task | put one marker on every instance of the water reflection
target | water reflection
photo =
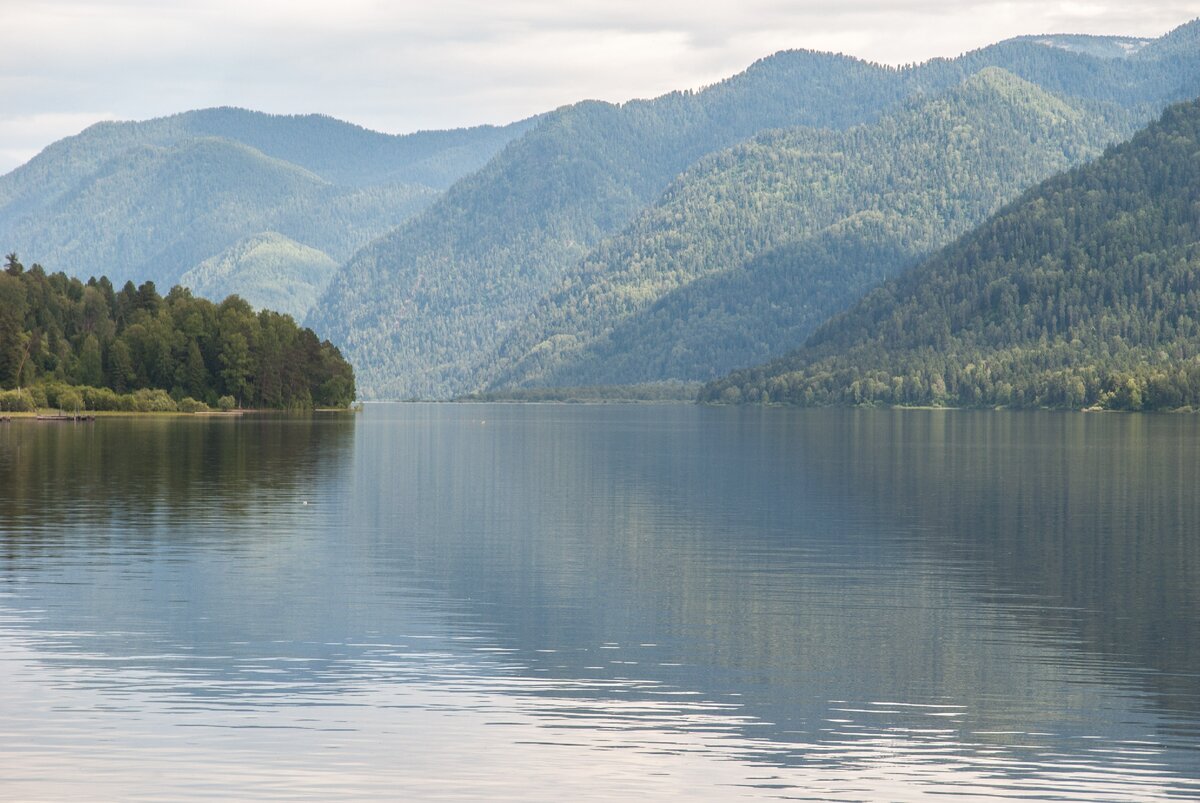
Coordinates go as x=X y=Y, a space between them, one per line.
x=675 y=601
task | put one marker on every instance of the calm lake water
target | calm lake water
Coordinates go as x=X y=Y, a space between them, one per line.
x=575 y=602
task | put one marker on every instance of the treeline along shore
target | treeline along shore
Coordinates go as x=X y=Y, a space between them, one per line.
x=76 y=345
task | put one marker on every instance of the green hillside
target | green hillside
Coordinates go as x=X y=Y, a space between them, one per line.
x=423 y=305
x=425 y=309
x=754 y=247
x=159 y=211
x=268 y=270
x=1084 y=292
x=157 y=198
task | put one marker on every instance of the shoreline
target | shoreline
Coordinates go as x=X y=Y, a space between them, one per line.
x=54 y=414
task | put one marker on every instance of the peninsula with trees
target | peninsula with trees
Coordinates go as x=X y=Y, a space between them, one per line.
x=79 y=345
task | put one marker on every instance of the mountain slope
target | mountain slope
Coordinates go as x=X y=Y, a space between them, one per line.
x=424 y=309
x=421 y=306
x=158 y=211
x=268 y=270
x=158 y=197
x=754 y=247
x=339 y=152
x=1083 y=292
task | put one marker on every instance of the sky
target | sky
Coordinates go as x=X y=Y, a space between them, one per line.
x=400 y=66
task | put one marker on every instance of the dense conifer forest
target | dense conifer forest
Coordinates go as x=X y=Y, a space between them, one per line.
x=424 y=310
x=756 y=246
x=1084 y=292
x=88 y=346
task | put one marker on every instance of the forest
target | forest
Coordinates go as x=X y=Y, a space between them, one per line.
x=756 y=246
x=1082 y=293
x=86 y=345
x=424 y=310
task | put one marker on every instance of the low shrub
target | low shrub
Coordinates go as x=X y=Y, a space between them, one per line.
x=100 y=398
x=69 y=400
x=189 y=405
x=153 y=401
x=17 y=401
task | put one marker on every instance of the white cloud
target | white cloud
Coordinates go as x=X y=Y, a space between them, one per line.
x=400 y=66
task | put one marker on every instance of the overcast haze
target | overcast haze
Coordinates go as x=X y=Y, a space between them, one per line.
x=401 y=66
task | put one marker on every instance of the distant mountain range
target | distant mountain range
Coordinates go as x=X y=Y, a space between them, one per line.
x=467 y=295
x=1085 y=292
x=676 y=238
x=154 y=199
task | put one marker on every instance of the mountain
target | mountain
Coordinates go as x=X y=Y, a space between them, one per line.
x=425 y=310
x=1083 y=292
x=268 y=270
x=754 y=247
x=156 y=198
x=420 y=307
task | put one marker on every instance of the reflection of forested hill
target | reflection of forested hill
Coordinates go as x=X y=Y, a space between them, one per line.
x=770 y=562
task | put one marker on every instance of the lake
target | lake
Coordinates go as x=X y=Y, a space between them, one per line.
x=565 y=602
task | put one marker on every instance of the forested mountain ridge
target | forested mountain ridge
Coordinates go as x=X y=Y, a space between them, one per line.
x=68 y=344
x=157 y=197
x=339 y=152
x=1083 y=292
x=753 y=247
x=424 y=309
x=422 y=305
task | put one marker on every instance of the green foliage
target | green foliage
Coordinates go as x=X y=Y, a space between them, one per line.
x=754 y=247
x=425 y=309
x=69 y=400
x=189 y=405
x=154 y=400
x=1082 y=293
x=226 y=403
x=16 y=401
x=91 y=346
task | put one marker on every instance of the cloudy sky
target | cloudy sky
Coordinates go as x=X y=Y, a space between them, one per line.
x=400 y=65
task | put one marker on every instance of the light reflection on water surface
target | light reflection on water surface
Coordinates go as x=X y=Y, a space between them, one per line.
x=535 y=602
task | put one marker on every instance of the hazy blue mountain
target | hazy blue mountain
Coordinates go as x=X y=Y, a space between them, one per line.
x=1083 y=292
x=423 y=310
x=268 y=270
x=158 y=211
x=158 y=197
